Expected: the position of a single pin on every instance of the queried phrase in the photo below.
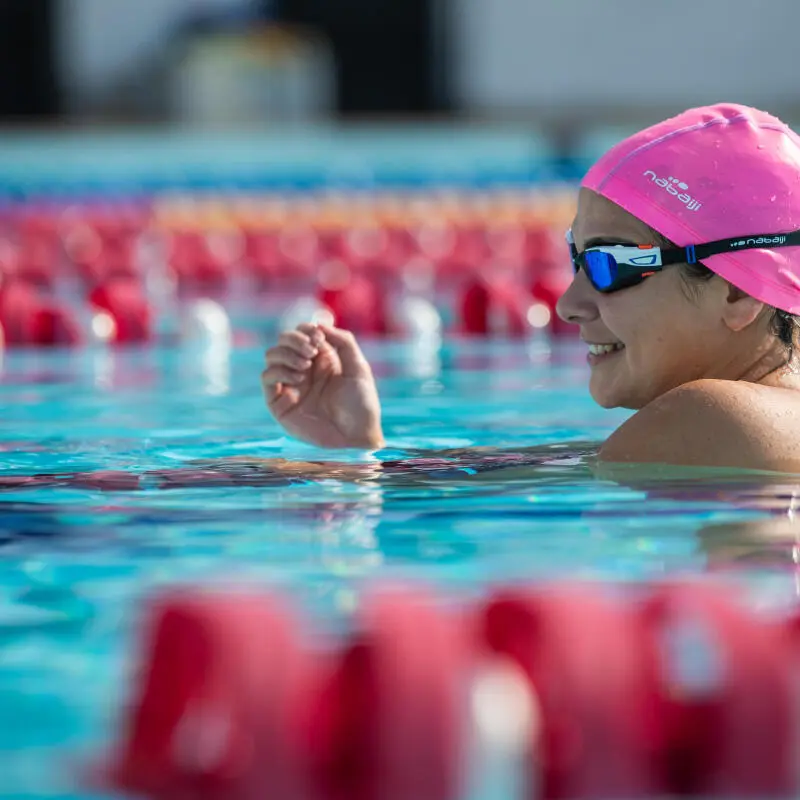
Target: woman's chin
(613, 397)
(604, 395)
(604, 402)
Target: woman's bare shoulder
(714, 423)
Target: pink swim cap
(713, 173)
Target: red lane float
(493, 308)
(672, 691)
(375, 249)
(354, 299)
(31, 319)
(593, 676)
(547, 286)
(213, 246)
(125, 306)
(199, 263)
(731, 682)
(388, 724)
(217, 710)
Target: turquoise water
(76, 561)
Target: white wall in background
(513, 54)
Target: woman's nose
(577, 305)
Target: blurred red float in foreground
(558, 692)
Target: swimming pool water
(76, 562)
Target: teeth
(601, 349)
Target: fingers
(278, 373)
(290, 361)
(296, 349)
(283, 356)
(312, 331)
(346, 347)
(304, 342)
(288, 365)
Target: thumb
(347, 349)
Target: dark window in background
(389, 53)
(28, 82)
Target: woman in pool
(687, 283)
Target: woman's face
(665, 333)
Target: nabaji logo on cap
(676, 187)
(766, 240)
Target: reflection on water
(77, 555)
(764, 544)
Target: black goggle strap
(697, 252)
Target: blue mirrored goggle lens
(602, 268)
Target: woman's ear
(740, 309)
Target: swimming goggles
(619, 266)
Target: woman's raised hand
(320, 388)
